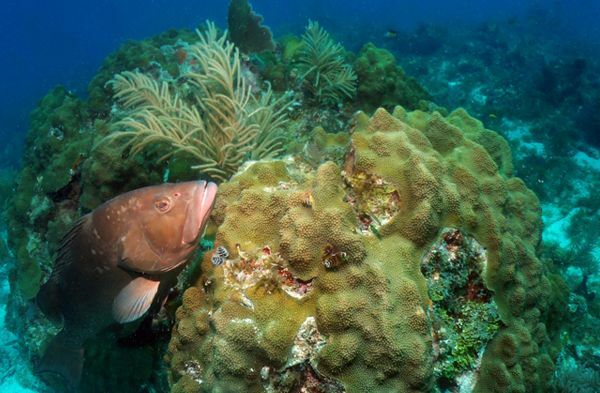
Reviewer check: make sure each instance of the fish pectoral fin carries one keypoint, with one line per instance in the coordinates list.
(134, 300)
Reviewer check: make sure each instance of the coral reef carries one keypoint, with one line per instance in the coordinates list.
(61, 134)
(4, 251)
(163, 54)
(7, 176)
(246, 30)
(325, 146)
(571, 377)
(574, 249)
(63, 127)
(388, 253)
(345, 246)
(15, 374)
(6, 184)
(541, 95)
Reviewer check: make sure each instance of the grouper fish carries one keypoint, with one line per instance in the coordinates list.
(118, 262)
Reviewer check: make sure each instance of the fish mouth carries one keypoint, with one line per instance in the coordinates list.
(198, 210)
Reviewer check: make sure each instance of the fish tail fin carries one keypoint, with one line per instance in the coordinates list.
(64, 359)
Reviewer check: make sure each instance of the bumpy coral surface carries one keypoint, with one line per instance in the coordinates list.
(322, 287)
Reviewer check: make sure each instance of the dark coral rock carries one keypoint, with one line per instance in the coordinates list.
(246, 30)
(382, 83)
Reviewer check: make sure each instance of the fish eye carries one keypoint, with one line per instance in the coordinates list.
(177, 194)
(163, 205)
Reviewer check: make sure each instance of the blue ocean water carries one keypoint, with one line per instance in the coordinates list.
(45, 44)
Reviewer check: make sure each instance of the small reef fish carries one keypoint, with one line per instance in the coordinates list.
(391, 34)
(220, 256)
(117, 263)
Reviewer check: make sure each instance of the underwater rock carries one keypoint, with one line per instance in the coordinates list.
(246, 29)
(411, 174)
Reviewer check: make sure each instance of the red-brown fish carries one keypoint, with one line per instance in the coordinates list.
(117, 262)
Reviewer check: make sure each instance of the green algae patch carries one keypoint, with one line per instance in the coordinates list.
(463, 313)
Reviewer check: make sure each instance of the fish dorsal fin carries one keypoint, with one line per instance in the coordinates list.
(64, 255)
(48, 298)
(134, 300)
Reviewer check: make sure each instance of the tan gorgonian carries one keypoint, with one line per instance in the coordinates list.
(218, 121)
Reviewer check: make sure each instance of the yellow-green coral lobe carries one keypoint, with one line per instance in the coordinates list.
(345, 244)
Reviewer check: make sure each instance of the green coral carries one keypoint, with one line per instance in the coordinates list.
(7, 177)
(278, 67)
(163, 53)
(382, 83)
(465, 339)
(60, 138)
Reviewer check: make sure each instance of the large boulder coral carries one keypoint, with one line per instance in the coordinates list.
(317, 280)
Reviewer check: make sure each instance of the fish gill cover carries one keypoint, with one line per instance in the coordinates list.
(365, 238)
